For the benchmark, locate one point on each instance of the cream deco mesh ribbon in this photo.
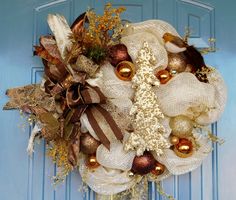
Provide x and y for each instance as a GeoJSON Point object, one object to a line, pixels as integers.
{"type": "Point", "coordinates": [148, 131]}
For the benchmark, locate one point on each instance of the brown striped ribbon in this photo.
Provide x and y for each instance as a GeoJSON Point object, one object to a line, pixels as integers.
{"type": "Point", "coordinates": [116, 130]}
{"type": "Point", "coordinates": [99, 132]}
{"type": "Point", "coordinates": [92, 97]}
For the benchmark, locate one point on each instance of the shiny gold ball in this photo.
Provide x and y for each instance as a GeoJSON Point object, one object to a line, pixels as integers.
{"type": "Point", "coordinates": [163, 76]}
{"type": "Point", "coordinates": [184, 148]}
{"type": "Point", "coordinates": [181, 125]}
{"type": "Point", "coordinates": [177, 62]}
{"type": "Point", "coordinates": [174, 139]}
{"type": "Point", "coordinates": [88, 144]}
{"type": "Point", "coordinates": [125, 70]}
{"type": "Point", "coordinates": [91, 162]}
{"type": "Point", "coordinates": [159, 169]}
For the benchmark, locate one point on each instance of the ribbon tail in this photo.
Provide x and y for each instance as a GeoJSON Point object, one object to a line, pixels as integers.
{"type": "Point", "coordinates": [102, 137]}
{"type": "Point", "coordinates": [114, 127]}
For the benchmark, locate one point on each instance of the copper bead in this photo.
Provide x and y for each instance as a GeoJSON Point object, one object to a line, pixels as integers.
{"type": "Point", "coordinates": [118, 53]}
{"type": "Point", "coordinates": [159, 169]}
{"type": "Point", "coordinates": [164, 76]}
{"type": "Point", "coordinates": [174, 139]}
{"type": "Point", "coordinates": [184, 148]}
{"type": "Point", "coordinates": [88, 144]}
{"type": "Point", "coordinates": [176, 62]}
{"type": "Point", "coordinates": [143, 164]}
{"type": "Point", "coordinates": [125, 70]}
{"type": "Point", "coordinates": [91, 162]}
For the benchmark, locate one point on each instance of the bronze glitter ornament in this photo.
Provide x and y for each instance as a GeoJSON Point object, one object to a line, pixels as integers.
{"type": "Point", "coordinates": [176, 62]}
{"type": "Point", "coordinates": [88, 144]}
{"type": "Point", "coordinates": [184, 148]}
{"type": "Point", "coordinates": [159, 169]}
{"type": "Point", "coordinates": [163, 75]}
{"type": "Point", "coordinates": [118, 53]}
{"type": "Point", "coordinates": [143, 164]}
{"type": "Point", "coordinates": [125, 70]}
{"type": "Point", "coordinates": [181, 125]}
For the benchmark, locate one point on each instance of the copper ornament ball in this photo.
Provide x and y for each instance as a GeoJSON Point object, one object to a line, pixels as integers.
{"type": "Point", "coordinates": [88, 144]}
{"type": "Point", "coordinates": [158, 169]}
{"type": "Point", "coordinates": [163, 75]}
{"type": "Point", "coordinates": [125, 70]}
{"type": "Point", "coordinates": [118, 53]}
{"type": "Point", "coordinates": [91, 162]}
{"type": "Point", "coordinates": [184, 148]}
{"type": "Point", "coordinates": [143, 164]}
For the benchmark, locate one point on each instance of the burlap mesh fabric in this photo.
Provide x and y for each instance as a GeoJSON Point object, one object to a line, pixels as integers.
{"type": "Point", "coordinates": [184, 94]}
{"type": "Point", "coordinates": [106, 181]}
{"type": "Point", "coordinates": [116, 158]}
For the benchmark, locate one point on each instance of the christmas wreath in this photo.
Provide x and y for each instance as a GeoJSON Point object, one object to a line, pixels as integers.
{"type": "Point", "coordinates": [123, 103]}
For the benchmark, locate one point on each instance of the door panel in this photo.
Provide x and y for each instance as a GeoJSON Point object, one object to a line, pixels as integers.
{"type": "Point", "coordinates": [23, 21]}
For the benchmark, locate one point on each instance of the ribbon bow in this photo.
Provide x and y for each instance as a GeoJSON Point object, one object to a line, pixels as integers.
{"type": "Point", "coordinates": [74, 97]}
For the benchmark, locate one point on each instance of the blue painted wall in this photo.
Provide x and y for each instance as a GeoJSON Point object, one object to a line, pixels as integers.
{"type": "Point", "coordinates": [23, 21]}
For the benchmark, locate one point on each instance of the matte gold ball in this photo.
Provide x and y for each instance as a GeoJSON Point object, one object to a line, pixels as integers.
{"type": "Point", "coordinates": [174, 140]}
{"type": "Point", "coordinates": [88, 144]}
{"type": "Point", "coordinates": [159, 169]}
{"type": "Point", "coordinates": [181, 125]}
{"type": "Point", "coordinates": [163, 76]}
{"type": "Point", "coordinates": [91, 162]}
{"type": "Point", "coordinates": [177, 62]}
{"type": "Point", "coordinates": [184, 148]}
{"type": "Point", "coordinates": [125, 70]}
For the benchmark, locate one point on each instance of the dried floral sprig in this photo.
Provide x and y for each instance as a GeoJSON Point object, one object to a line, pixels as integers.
{"type": "Point", "coordinates": [187, 34]}
{"type": "Point", "coordinates": [58, 151]}
{"type": "Point", "coordinates": [204, 72]}
{"type": "Point", "coordinates": [161, 191]}
{"type": "Point", "coordinates": [211, 136]}
{"type": "Point", "coordinates": [215, 138]}
{"type": "Point", "coordinates": [211, 48]}
{"type": "Point", "coordinates": [102, 29]}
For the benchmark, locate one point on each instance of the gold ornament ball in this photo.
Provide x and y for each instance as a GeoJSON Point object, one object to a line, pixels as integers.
{"type": "Point", "coordinates": [91, 162]}
{"type": "Point", "coordinates": [164, 76]}
{"type": "Point", "coordinates": [181, 125]}
{"type": "Point", "coordinates": [184, 148]}
{"type": "Point", "coordinates": [125, 70]}
{"type": "Point", "coordinates": [159, 169]}
{"type": "Point", "coordinates": [88, 144]}
{"type": "Point", "coordinates": [176, 62]}
{"type": "Point", "coordinates": [174, 140]}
